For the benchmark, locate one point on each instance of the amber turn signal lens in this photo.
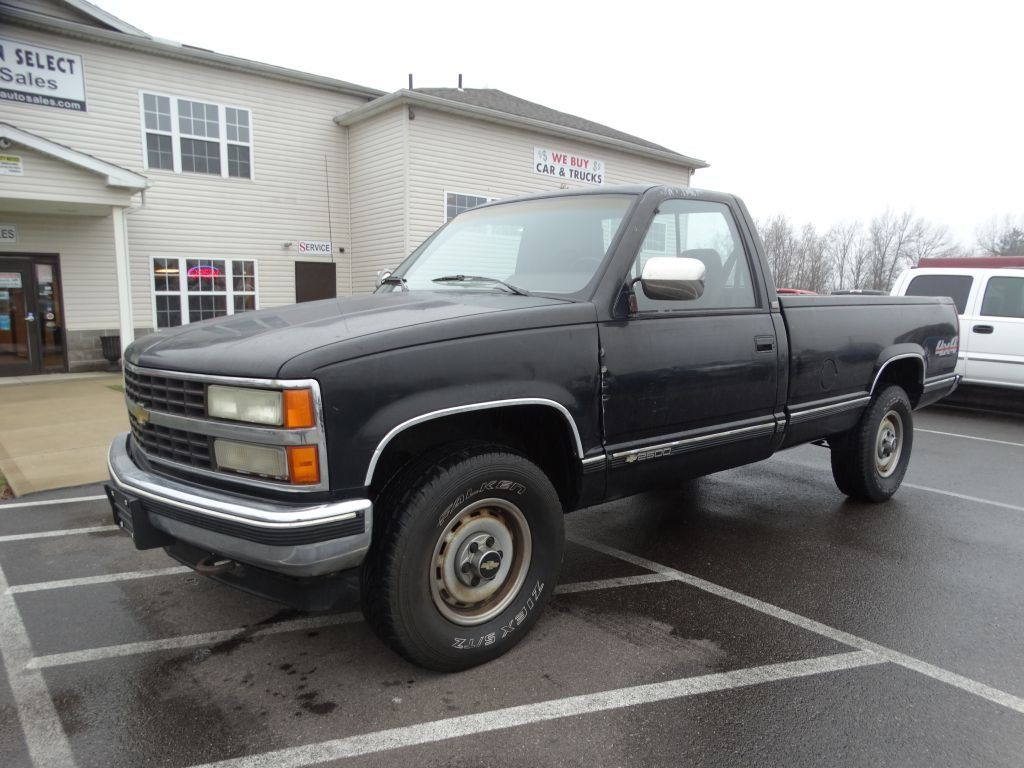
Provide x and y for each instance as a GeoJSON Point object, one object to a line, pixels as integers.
{"type": "Point", "coordinates": [303, 464]}
{"type": "Point", "coordinates": [298, 408]}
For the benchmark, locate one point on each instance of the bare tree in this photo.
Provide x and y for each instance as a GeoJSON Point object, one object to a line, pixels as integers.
{"type": "Point", "coordinates": [1002, 237]}
{"type": "Point", "coordinates": [841, 244]}
{"type": "Point", "coordinates": [932, 241]}
{"type": "Point", "coordinates": [779, 244]}
{"type": "Point", "coordinates": [812, 266]}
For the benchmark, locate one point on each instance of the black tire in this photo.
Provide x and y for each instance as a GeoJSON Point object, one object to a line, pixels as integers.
{"type": "Point", "coordinates": [870, 461]}
{"type": "Point", "coordinates": [405, 594]}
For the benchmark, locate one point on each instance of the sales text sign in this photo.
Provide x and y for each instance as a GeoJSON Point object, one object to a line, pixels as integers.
{"type": "Point", "coordinates": [31, 74]}
{"type": "Point", "coordinates": [567, 167]}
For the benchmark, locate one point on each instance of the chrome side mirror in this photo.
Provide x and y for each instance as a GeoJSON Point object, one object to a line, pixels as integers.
{"type": "Point", "coordinates": [666, 278]}
{"type": "Point", "coordinates": [382, 275]}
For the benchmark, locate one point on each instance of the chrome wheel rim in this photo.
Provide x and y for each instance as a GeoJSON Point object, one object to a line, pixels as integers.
{"type": "Point", "coordinates": [889, 444]}
{"type": "Point", "coordinates": [480, 561]}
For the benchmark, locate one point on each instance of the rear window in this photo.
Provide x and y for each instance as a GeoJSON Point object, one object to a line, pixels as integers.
{"type": "Point", "coordinates": [957, 287]}
{"type": "Point", "coordinates": [1004, 297]}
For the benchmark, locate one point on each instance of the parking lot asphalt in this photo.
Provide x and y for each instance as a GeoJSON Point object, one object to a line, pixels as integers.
{"type": "Point", "coordinates": [755, 617]}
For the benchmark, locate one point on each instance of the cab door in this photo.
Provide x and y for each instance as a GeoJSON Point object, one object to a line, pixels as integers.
{"type": "Point", "coordinates": [690, 386]}
{"type": "Point", "coordinates": [996, 330]}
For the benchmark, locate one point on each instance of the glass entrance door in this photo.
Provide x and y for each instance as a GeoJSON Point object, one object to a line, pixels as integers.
{"type": "Point", "coordinates": [31, 316]}
{"type": "Point", "coordinates": [17, 316]}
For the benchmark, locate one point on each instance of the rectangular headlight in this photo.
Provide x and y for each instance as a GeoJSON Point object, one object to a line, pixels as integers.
{"type": "Point", "coordinates": [256, 406]}
{"type": "Point", "coordinates": [265, 460]}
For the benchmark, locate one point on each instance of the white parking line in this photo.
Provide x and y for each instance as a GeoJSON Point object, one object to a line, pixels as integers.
{"type": "Point", "coordinates": [42, 586]}
{"type": "Point", "coordinates": [190, 641]}
{"type": "Point", "coordinates": [969, 437]}
{"type": "Point", "coordinates": [48, 502]}
{"type": "Point", "coordinates": [210, 638]}
{"type": "Point", "coordinates": [937, 673]}
{"type": "Point", "coordinates": [928, 488]}
{"type": "Point", "coordinates": [45, 738]}
{"type": "Point", "coordinates": [965, 497]}
{"type": "Point", "coordinates": [52, 534]}
{"type": "Point", "coordinates": [555, 709]}
{"type": "Point", "coordinates": [621, 581]}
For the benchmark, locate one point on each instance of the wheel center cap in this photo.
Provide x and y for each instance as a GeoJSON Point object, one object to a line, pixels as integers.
{"type": "Point", "coordinates": [487, 564]}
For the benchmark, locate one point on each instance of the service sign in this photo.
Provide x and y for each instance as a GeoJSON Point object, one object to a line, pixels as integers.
{"type": "Point", "coordinates": [567, 167]}
{"type": "Point", "coordinates": [30, 74]}
{"type": "Point", "coordinates": [316, 247]}
{"type": "Point", "coordinates": [8, 233]}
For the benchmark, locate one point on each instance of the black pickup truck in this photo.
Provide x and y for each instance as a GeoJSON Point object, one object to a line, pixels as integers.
{"type": "Point", "coordinates": [533, 357]}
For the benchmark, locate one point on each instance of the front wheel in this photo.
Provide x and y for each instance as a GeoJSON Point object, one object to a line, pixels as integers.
{"type": "Point", "coordinates": [469, 551]}
{"type": "Point", "coordinates": [869, 462]}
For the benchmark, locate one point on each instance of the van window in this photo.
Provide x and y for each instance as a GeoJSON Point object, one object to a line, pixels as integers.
{"type": "Point", "coordinates": [1004, 297]}
{"type": "Point", "coordinates": [957, 287]}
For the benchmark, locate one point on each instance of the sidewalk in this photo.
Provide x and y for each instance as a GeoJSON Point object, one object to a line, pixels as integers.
{"type": "Point", "coordinates": [54, 431]}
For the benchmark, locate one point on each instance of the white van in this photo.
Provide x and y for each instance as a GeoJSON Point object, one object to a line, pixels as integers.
{"type": "Point", "coordinates": [990, 301]}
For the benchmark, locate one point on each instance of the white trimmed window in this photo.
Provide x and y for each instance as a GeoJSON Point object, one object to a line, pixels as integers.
{"type": "Point", "coordinates": [457, 202]}
{"type": "Point", "coordinates": [189, 290]}
{"type": "Point", "coordinates": [189, 136]}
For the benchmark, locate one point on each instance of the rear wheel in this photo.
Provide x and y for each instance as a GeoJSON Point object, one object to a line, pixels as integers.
{"type": "Point", "coordinates": [468, 552]}
{"type": "Point", "coordinates": [869, 462]}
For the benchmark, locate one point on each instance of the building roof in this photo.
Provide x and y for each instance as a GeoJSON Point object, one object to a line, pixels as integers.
{"type": "Point", "coordinates": [116, 176]}
{"type": "Point", "coordinates": [498, 106]}
{"type": "Point", "coordinates": [492, 98]}
{"type": "Point", "coordinates": [100, 16]}
{"type": "Point", "coordinates": [102, 28]}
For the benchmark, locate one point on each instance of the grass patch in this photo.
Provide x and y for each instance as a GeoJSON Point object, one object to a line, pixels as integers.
{"type": "Point", "coordinates": [5, 489]}
{"type": "Point", "coordinates": [116, 387]}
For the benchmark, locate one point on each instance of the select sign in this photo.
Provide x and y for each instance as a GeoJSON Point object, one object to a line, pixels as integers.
{"type": "Point", "coordinates": [317, 247]}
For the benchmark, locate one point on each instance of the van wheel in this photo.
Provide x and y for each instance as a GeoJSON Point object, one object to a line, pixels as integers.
{"type": "Point", "coordinates": [869, 461]}
{"type": "Point", "coordinates": [468, 550]}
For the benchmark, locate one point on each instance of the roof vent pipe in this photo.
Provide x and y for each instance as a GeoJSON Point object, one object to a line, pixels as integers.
{"type": "Point", "coordinates": [410, 81]}
{"type": "Point", "coordinates": [460, 81]}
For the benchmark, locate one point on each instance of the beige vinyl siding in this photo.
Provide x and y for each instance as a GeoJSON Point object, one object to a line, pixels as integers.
{"type": "Point", "coordinates": [47, 178]}
{"type": "Point", "coordinates": [450, 153]}
{"type": "Point", "coordinates": [193, 215]}
{"type": "Point", "coordinates": [378, 169]}
{"type": "Point", "coordinates": [86, 248]}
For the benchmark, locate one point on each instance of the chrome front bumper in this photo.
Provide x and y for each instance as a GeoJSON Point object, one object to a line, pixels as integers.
{"type": "Point", "coordinates": [293, 539]}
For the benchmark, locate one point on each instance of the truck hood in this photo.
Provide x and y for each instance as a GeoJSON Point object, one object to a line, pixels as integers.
{"type": "Point", "coordinates": [260, 344]}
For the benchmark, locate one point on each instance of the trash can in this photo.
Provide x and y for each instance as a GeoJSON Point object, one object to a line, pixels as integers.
{"type": "Point", "coordinates": [111, 350]}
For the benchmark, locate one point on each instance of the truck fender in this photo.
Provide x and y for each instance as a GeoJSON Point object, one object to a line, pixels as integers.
{"type": "Point", "coordinates": [896, 352]}
{"type": "Point", "coordinates": [420, 417]}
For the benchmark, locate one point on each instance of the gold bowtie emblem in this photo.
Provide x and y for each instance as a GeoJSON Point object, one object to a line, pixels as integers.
{"type": "Point", "coordinates": [139, 413]}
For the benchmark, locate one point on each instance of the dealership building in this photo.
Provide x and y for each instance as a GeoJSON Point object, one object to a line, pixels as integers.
{"type": "Point", "coordinates": [146, 184]}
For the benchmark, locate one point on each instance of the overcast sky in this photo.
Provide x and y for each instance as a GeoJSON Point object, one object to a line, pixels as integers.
{"type": "Point", "coordinates": [822, 111]}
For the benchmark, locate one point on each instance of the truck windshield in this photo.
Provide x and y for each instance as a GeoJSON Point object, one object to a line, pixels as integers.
{"type": "Point", "coordinates": [545, 246]}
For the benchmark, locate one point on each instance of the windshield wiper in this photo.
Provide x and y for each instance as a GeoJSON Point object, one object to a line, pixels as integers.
{"type": "Point", "coordinates": [481, 279]}
{"type": "Point", "coordinates": [394, 280]}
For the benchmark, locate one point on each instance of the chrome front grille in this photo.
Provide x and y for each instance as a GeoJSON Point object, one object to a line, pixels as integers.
{"type": "Point", "coordinates": [167, 395]}
{"type": "Point", "coordinates": [169, 425]}
{"type": "Point", "coordinates": [171, 444]}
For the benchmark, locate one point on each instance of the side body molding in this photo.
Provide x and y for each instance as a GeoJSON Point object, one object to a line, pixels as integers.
{"type": "Point", "coordinates": [379, 450]}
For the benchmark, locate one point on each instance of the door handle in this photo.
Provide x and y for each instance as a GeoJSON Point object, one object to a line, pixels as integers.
{"type": "Point", "coordinates": [764, 343]}
{"type": "Point", "coordinates": [983, 329]}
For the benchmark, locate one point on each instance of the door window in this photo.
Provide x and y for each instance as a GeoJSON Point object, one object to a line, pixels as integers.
{"type": "Point", "coordinates": [707, 232]}
{"type": "Point", "coordinates": [1004, 297]}
{"type": "Point", "coordinates": [957, 287]}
